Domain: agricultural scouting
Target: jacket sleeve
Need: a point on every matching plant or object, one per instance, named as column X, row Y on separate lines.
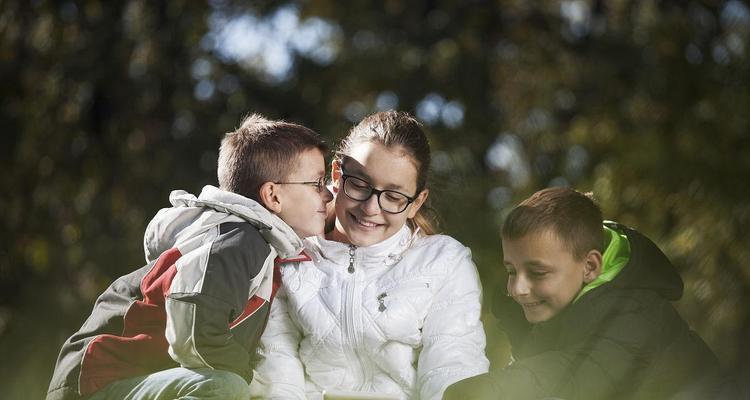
column 549, row 375
column 210, row 290
column 279, row 374
column 453, row 339
column 608, row 354
column 199, row 337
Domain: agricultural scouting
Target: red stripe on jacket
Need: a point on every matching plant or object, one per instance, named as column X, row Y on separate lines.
column 256, row 302
column 142, row 346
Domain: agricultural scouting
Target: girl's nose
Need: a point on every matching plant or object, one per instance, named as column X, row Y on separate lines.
column 371, row 206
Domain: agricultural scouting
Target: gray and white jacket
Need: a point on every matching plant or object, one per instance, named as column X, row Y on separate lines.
column 201, row 300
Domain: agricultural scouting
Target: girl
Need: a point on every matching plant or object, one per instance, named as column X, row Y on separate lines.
column 384, row 304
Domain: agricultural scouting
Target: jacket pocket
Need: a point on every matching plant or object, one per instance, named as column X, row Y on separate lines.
column 399, row 310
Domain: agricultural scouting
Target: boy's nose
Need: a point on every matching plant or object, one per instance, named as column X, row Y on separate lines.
column 518, row 286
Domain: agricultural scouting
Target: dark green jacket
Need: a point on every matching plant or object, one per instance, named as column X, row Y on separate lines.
column 621, row 340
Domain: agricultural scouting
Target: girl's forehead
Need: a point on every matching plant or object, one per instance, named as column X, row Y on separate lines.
column 373, row 153
column 384, row 166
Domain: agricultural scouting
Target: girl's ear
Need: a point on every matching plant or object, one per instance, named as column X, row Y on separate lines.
column 593, row 266
column 269, row 197
column 335, row 175
column 417, row 204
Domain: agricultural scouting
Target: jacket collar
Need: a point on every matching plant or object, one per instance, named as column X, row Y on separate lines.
column 388, row 252
column 273, row 229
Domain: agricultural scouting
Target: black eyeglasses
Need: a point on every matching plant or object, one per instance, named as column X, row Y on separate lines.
column 360, row 190
column 319, row 185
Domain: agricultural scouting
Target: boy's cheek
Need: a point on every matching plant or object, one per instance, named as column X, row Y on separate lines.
column 330, row 217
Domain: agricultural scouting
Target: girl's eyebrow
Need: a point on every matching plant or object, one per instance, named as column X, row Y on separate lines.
column 357, row 172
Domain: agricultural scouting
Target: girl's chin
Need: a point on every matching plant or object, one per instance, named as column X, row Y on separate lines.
column 363, row 239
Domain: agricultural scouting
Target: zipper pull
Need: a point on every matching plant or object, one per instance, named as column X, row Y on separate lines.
column 351, row 258
column 381, row 300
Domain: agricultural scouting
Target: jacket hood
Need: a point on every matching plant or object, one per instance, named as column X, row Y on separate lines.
column 188, row 217
column 648, row 267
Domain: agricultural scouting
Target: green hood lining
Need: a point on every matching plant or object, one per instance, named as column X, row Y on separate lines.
column 614, row 259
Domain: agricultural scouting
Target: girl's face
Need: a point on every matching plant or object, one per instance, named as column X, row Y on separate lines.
column 363, row 222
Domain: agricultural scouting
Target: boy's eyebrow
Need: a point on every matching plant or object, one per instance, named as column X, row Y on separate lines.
column 536, row 264
column 321, row 172
column 317, row 174
column 527, row 263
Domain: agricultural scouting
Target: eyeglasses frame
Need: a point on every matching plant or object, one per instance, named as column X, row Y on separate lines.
column 319, row 184
column 377, row 192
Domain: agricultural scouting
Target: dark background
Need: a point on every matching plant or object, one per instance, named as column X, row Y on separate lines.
column 107, row 106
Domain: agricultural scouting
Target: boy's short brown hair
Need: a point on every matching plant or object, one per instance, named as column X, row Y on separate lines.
column 572, row 216
column 261, row 151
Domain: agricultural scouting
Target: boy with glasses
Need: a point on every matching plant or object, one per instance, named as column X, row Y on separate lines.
column 186, row 325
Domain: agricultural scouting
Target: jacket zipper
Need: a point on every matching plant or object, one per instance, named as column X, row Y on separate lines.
column 352, row 248
column 351, row 327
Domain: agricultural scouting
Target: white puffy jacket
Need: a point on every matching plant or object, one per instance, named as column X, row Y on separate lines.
column 399, row 317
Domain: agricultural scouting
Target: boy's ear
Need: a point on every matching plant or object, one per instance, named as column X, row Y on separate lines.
column 269, row 197
column 335, row 175
column 593, row 266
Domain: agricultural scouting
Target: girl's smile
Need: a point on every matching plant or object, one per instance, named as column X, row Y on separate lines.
column 374, row 175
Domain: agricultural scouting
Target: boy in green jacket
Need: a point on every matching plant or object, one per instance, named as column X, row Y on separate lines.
column 591, row 316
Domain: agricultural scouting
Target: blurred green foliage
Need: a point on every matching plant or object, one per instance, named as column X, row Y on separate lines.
column 107, row 106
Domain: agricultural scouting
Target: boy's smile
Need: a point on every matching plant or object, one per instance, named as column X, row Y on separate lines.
column 543, row 275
